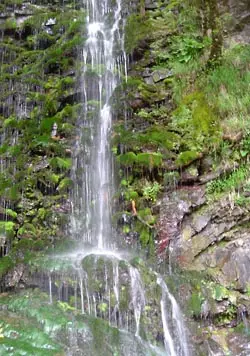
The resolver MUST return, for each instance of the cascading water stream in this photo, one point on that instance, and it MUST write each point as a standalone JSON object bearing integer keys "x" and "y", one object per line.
{"x": 138, "y": 297}
{"x": 92, "y": 193}
{"x": 175, "y": 344}
{"x": 102, "y": 58}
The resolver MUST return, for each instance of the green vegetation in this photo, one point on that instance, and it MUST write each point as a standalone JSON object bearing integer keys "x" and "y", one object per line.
{"x": 5, "y": 265}
{"x": 182, "y": 118}
{"x": 39, "y": 62}
{"x": 186, "y": 98}
{"x": 232, "y": 183}
{"x": 137, "y": 29}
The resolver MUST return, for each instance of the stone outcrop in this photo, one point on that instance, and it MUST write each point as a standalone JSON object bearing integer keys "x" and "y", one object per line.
{"x": 207, "y": 236}
{"x": 239, "y": 22}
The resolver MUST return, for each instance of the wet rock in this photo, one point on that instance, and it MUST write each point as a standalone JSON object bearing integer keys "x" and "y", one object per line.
{"x": 146, "y": 73}
{"x": 200, "y": 221}
{"x": 151, "y": 5}
{"x": 27, "y": 204}
{"x": 137, "y": 103}
{"x": 239, "y": 344}
{"x": 190, "y": 174}
{"x": 4, "y": 15}
{"x": 14, "y": 276}
{"x": 161, "y": 74}
{"x": 221, "y": 307}
{"x": 195, "y": 232}
{"x": 24, "y": 12}
{"x": 236, "y": 269}
{"x": 64, "y": 207}
{"x": 205, "y": 310}
{"x": 172, "y": 211}
{"x": 71, "y": 98}
{"x": 42, "y": 164}
{"x": 219, "y": 171}
{"x": 147, "y": 76}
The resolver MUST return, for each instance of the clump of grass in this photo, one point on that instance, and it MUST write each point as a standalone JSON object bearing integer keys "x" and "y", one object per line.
{"x": 233, "y": 182}
{"x": 227, "y": 87}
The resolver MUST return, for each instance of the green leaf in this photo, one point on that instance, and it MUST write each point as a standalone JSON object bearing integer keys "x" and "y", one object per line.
{"x": 244, "y": 153}
{"x": 61, "y": 163}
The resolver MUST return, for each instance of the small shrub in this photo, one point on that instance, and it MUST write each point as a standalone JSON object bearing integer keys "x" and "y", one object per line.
{"x": 151, "y": 191}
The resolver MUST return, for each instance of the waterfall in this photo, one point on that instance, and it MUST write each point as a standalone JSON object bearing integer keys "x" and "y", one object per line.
{"x": 92, "y": 160}
{"x": 175, "y": 344}
{"x": 138, "y": 297}
{"x": 108, "y": 286}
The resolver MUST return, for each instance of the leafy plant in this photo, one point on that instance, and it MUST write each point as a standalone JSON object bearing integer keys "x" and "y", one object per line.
{"x": 63, "y": 164}
{"x": 186, "y": 48}
{"x": 232, "y": 182}
{"x": 151, "y": 190}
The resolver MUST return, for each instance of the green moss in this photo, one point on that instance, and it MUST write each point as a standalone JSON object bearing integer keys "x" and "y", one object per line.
{"x": 220, "y": 293}
{"x": 195, "y": 120}
{"x": 7, "y": 228}
{"x": 37, "y": 62}
{"x": 226, "y": 86}
{"x": 137, "y": 28}
{"x": 124, "y": 298}
{"x": 6, "y": 264}
{"x": 147, "y": 160}
{"x": 159, "y": 136}
{"x": 194, "y": 304}
{"x": 11, "y": 213}
{"x": 64, "y": 185}
{"x": 147, "y": 216}
{"x": 128, "y": 159}
{"x": 103, "y": 333}
{"x": 10, "y": 24}
{"x": 11, "y": 122}
{"x": 187, "y": 157}
{"x": 150, "y": 190}
{"x": 27, "y": 230}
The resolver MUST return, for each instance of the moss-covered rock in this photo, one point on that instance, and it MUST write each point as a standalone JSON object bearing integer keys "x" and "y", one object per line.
{"x": 39, "y": 57}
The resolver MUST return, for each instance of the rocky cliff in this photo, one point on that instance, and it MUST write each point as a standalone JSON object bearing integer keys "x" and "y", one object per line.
{"x": 180, "y": 139}
{"x": 184, "y": 151}
{"x": 39, "y": 108}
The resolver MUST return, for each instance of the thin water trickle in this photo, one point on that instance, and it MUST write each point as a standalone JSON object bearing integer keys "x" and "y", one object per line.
{"x": 175, "y": 340}
{"x": 50, "y": 290}
{"x": 138, "y": 296}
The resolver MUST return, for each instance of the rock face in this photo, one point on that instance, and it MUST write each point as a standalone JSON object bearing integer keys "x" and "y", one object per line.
{"x": 204, "y": 235}
{"x": 178, "y": 143}
{"x": 16, "y": 276}
{"x": 201, "y": 210}
{"x": 172, "y": 212}
{"x": 240, "y": 18}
